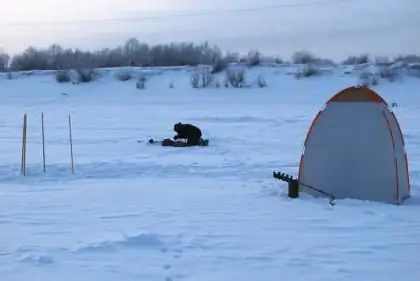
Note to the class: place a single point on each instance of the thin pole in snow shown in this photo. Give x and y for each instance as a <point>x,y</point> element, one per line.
<point>71,146</point>
<point>43,141</point>
<point>23,160</point>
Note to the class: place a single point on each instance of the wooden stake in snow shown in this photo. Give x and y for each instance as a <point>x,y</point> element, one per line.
<point>23,160</point>
<point>43,141</point>
<point>71,146</point>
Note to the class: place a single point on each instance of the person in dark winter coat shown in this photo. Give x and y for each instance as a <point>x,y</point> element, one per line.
<point>189,132</point>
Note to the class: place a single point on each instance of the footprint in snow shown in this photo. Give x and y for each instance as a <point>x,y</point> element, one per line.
<point>167,266</point>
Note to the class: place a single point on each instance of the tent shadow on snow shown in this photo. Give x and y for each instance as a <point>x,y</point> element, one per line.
<point>355,149</point>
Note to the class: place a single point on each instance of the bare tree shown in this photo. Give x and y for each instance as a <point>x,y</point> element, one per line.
<point>4,61</point>
<point>130,53</point>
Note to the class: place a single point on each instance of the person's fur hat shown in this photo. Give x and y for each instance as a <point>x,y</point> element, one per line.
<point>177,125</point>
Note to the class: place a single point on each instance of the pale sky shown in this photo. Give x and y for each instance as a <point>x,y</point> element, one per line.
<point>328,28</point>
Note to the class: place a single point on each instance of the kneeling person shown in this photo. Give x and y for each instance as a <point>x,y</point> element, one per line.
<point>189,132</point>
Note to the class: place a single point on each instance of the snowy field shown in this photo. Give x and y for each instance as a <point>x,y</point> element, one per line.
<point>133,211</point>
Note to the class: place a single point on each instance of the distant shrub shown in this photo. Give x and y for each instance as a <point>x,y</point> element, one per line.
<point>141,81</point>
<point>206,77</point>
<point>408,59</point>
<point>383,61</point>
<point>278,60</point>
<point>307,70</point>
<point>202,78</point>
<point>261,83</point>
<point>141,85</point>
<point>414,70</point>
<point>303,57</point>
<point>388,73</point>
<point>124,75</point>
<point>86,75</point>
<point>62,76</point>
<point>219,65</point>
<point>4,61</point>
<point>368,79</point>
<point>253,58</point>
<point>226,83</point>
<point>195,80</point>
<point>235,78</point>
<point>354,60</point>
<point>324,62</point>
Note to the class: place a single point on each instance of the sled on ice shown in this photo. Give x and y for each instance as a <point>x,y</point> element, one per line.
<point>177,143</point>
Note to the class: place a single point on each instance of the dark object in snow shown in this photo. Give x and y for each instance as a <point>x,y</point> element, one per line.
<point>189,132</point>
<point>173,143</point>
<point>293,184</point>
<point>293,191</point>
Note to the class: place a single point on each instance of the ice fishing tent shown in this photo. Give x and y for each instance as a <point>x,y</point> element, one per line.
<point>355,149</point>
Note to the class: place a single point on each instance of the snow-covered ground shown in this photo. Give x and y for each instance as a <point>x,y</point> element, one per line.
<point>133,211</point>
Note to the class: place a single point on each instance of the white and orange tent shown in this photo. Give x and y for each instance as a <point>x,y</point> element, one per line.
<point>355,149</point>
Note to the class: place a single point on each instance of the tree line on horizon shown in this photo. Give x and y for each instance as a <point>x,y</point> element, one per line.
<point>136,53</point>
